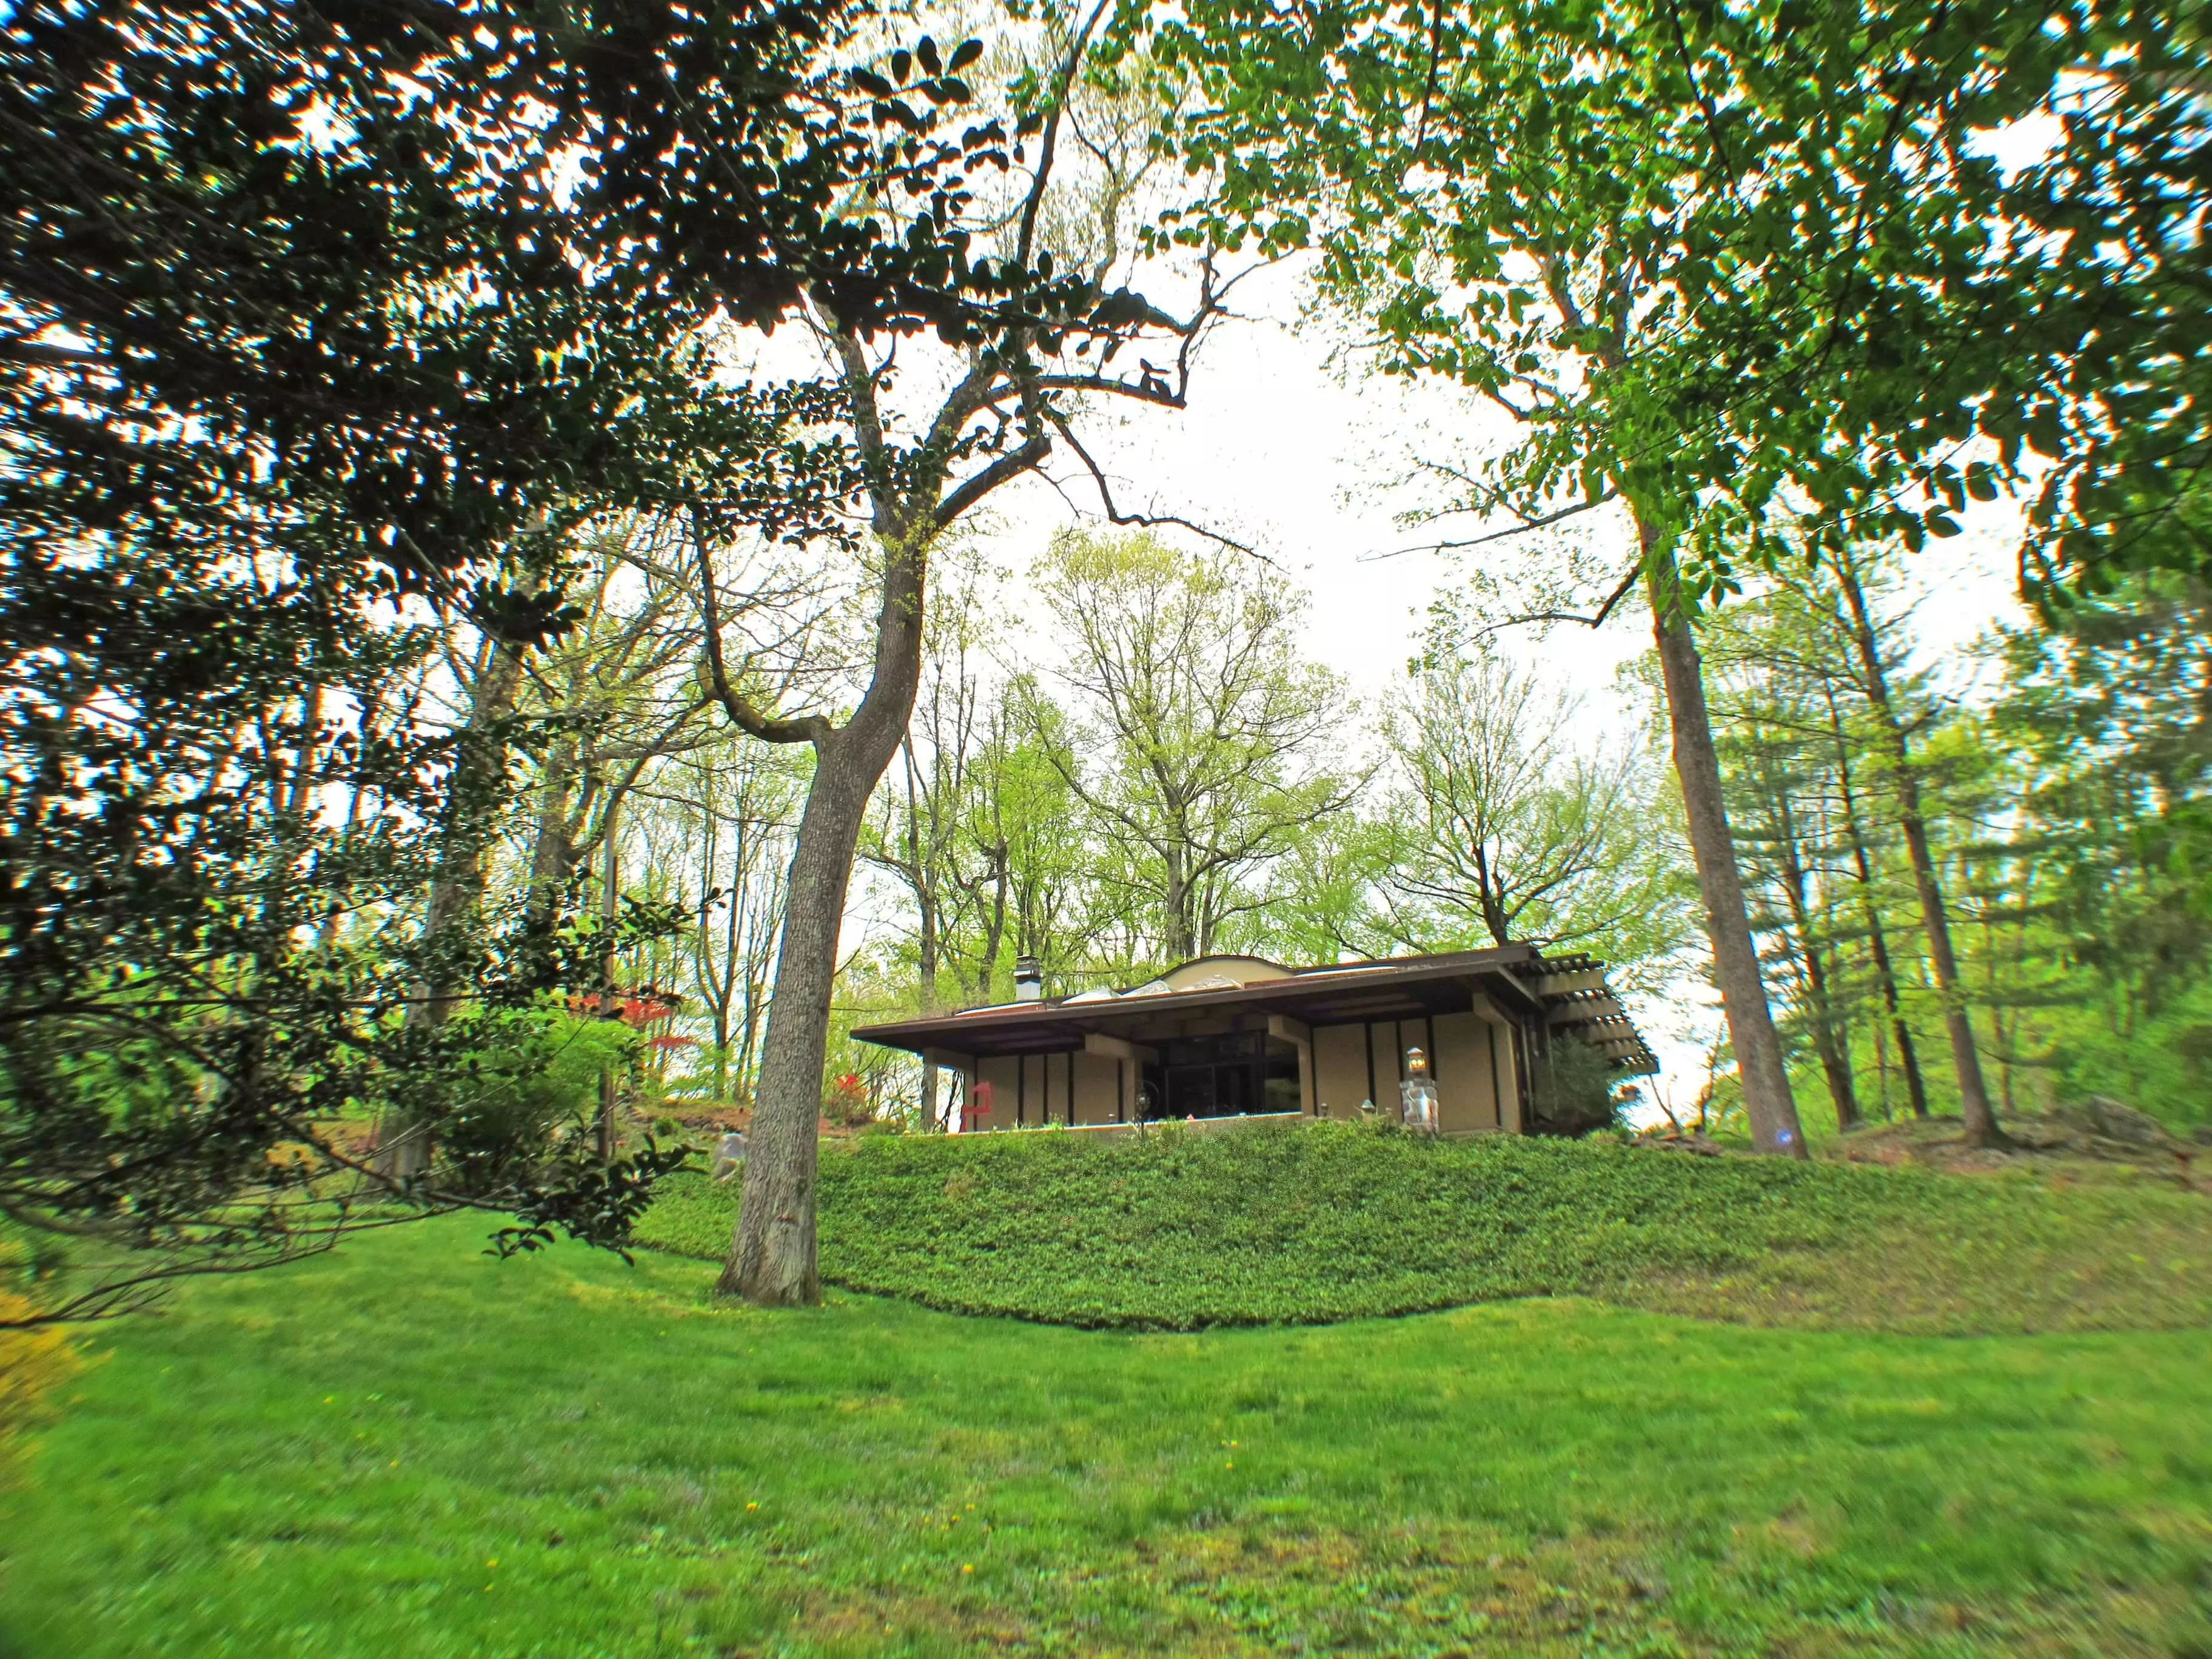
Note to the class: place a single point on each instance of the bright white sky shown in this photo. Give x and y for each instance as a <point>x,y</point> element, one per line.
<point>1283,452</point>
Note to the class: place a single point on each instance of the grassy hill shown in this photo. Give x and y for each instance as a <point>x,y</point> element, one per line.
<point>1314,1224</point>
<point>410,1450</point>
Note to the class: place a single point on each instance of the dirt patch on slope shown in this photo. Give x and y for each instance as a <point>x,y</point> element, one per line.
<point>2094,1139</point>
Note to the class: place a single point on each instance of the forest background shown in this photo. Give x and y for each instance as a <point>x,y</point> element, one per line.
<point>1245,712</point>
<point>1369,761</point>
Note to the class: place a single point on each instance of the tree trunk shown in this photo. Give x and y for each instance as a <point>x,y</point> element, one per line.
<point>1767,1100</point>
<point>994,931</point>
<point>929,1006</point>
<point>1908,1058</point>
<point>1182,940</point>
<point>553,856</point>
<point>403,1145</point>
<point>772,1257</point>
<point>1493,910</point>
<point>609,893</point>
<point>1981,1124</point>
<point>717,963</point>
<point>1827,1044</point>
<point>772,1252</point>
<point>553,853</point>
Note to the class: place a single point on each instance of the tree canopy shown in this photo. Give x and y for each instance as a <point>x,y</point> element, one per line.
<point>1847,264</point>
<point>322,331</point>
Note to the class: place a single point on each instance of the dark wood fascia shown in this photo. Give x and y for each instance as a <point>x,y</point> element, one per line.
<point>1439,985</point>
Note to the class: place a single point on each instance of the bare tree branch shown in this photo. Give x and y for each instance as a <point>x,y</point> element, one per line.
<point>801,728</point>
<point>1115,515</point>
<point>1522,528</point>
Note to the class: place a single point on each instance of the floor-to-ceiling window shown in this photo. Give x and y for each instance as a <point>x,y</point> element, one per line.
<point>1227,1075</point>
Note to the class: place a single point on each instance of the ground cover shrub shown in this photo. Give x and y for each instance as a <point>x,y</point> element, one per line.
<point>534,1077</point>
<point>1316,1222</point>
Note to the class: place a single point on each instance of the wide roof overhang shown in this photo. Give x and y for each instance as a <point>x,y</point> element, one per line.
<point>1514,976</point>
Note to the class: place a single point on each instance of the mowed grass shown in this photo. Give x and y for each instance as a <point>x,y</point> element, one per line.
<point>410,1449</point>
<point>1306,1224</point>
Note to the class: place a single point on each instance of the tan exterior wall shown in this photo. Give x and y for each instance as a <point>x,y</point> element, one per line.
<point>1392,1039</point>
<point>1459,1050</point>
<point>997,1071</point>
<point>1467,1097</point>
<point>1339,1069</point>
<point>1097,1088</point>
<point>1509,1072</point>
<point>1342,1054</point>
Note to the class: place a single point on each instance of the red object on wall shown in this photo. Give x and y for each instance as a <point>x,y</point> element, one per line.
<point>978,1105</point>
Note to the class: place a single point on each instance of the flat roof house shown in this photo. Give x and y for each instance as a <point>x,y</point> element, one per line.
<point>1239,1036</point>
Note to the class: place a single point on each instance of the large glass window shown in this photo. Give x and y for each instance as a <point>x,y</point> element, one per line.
<point>1229,1075</point>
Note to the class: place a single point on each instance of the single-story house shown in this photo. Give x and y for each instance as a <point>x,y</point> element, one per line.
<point>1236,1036</point>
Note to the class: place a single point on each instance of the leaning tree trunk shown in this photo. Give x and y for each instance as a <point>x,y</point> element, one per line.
<point>1981,1123</point>
<point>772,1255</point>
<point>1828,1035</point>
<point>1767,1100</point>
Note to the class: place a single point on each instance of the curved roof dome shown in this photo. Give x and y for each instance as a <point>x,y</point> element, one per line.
<point>1213,971</point>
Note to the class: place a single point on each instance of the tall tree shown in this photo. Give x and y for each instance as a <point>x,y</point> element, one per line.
<point>1814,733</point>
<point>302,311</point>
<point>1776,777</point>
<point>1016,384</point>
<point>1206,728</point>
<point>1876,668</point>
<point>2110,712</point>
<point>1517,832</point>
<point>1857,832</point>
<point>1690,278</point>
<point>598,707</point>
<point>1504,237</point>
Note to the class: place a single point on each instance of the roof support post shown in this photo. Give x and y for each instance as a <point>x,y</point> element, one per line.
<point>1505,1072</point>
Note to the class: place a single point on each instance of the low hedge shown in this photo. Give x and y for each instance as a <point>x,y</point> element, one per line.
<point>1317,1223</point>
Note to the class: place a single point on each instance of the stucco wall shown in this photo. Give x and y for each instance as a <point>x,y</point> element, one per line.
<point>1467,1092</point>
<point>998,1072</point>
<point>1097,1088</point>
<point>1460,1048</point>
<point>1339,1069</point>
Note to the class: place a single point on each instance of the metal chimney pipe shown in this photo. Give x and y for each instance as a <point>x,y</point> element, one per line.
<point>1029,979</point>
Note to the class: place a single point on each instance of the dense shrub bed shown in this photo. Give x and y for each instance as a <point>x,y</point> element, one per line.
<point>1314,1224</point>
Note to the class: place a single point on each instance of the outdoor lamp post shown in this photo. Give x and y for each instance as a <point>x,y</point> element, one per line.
<point>1416,1095</point>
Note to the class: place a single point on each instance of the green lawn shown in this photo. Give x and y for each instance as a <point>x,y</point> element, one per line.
<point>408,1449</point>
